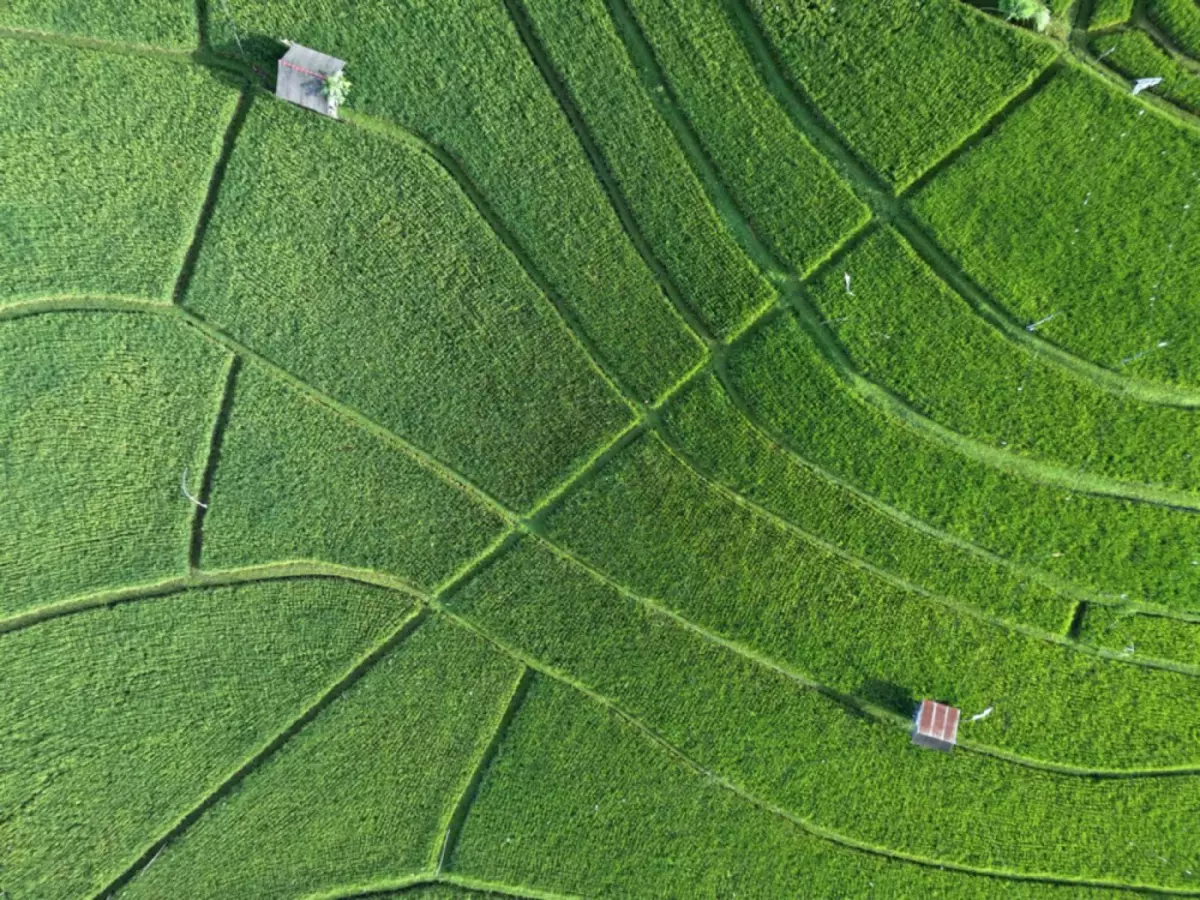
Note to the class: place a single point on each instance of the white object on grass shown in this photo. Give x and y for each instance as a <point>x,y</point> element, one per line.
<point>846,276</point>
<point>187,493</point>
<point>1142,83</point>
<point>983,715</point>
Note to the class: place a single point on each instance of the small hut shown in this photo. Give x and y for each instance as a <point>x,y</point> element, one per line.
<point>301,78</point>
<point>936,726</point>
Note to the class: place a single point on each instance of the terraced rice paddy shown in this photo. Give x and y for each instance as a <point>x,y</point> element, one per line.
<point>563,474</point>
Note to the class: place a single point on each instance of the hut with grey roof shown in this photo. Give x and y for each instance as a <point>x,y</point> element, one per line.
<point>301,78</point>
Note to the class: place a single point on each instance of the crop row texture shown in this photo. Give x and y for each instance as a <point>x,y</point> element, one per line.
<point>1081,206</point>
<point>1180,19</point>
<point>170,24</point>
<point>1107,13</point>
<point>143,134</point>
<point>100,415</point>
<point>1120,550</point>
<point>1158,637</point>
<point>459,76</point>
<point>1134,54</point>
<point>115,722</point>
<point>782,742</point>
<point>904,83</point>
<point>361,794</point>
<point>411,311</point>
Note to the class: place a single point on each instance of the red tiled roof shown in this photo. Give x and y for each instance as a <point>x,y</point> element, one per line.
<point>938,721</point>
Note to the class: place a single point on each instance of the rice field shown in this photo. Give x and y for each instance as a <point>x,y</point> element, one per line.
<point>563,472</point>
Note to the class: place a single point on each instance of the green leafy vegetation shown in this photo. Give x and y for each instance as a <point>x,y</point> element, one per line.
<point>323,813</point>
<point>1180,19</point>
<point>116,722</point>
<point>906,101</point>
<point>460,77</point>
<point>1107,13</point>
<point>667,198</point>
<point>413,313</point>
<point>170,24</point>
<point>1112,251</point>
<point>1134,54</point>
<point>140,135</point>
<point>792,197</point>
<point>100,416</point>
<point>297,481</point>
<point>1156,637</point>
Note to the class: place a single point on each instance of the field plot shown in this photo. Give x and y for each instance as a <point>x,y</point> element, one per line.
<point>906,101</point>
<point>667,198</point>
<point>322,813</point>
<point>170,24</point>
<point>115,722</point>
<point>724,445</point>
<point>414,314</point>
<point>460,77</point>
<point>1155,637</point>
<point>579,801</point>
<point>1081,207</point>
<point>908,332</point>
<point>1107,13</point>
<point>650,525</point>
<point>1121,550</point>
<point>100,414</point>
<point>791,196</point>
<point>297,481</point>
<point>1180,20</point>
<point>143,134</point>
<point>1134,53</point>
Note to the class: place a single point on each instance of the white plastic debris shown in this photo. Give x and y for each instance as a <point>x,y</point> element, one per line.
<point>183,487</point>
<point>846,276</point>
<point>1142,83</point>
<point>983,715</point>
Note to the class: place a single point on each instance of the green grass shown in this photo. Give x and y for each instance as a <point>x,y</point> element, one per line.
<point>297,481</point>
<point>411,311</point>
<point>460,77</point>
<point>1180,19</point>
<point>363,793</point>
<point>706,426</point>
<point>651,526</point>
<point>115,722</point>
<point>667,198</point>
<point>170,24</point>
<point>143,134</point>
<point>579,801</point>
<point>791,196</point>
<point>904,84</point>
<point>908,332</point>
<point>1108,546</point>
<point>1135,55</point>
<point>99,416</point>
<point>1107,13</point>
<point>1155,637</point>
<point>1089,216</point>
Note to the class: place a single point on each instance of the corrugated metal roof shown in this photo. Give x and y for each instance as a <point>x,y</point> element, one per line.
<point>301,76</point>
<point>936,725</point>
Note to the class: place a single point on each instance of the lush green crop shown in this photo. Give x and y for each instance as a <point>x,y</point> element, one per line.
<point>1107,13</point>
<point>297,481</point>
<point>142,134</point>
<point>1117,549</point>
<point>116,722</point>
<point>100,415</point>
<point>708,429</point>
<point>1112,252</point>
<point>412,312</point>
<point>1134,53</point>
<point>904,101</point>
<point>364,792</point>
<point>667,198</point>
<point>164,23</point>
<point>1157,637</point>
<point>907,331</point>
<point>579,801</point>
<point>459,76</point>
<point>1180,19</point>
<point>648,523</point>
<point>792,197</point>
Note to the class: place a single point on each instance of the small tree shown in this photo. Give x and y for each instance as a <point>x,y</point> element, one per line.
<point>335,88</point>
<point>1027,10</point>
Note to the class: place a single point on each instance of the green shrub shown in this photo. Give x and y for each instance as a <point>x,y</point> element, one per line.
<point>132,143</point>
<point>116,722</point>
<point>1113,251</point>
<point>413,313</point>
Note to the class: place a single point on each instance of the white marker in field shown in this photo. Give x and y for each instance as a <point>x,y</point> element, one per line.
<point>846,276</point>
<point>187,493</point>
<point>983,715</point>
<point>1142,83</point>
